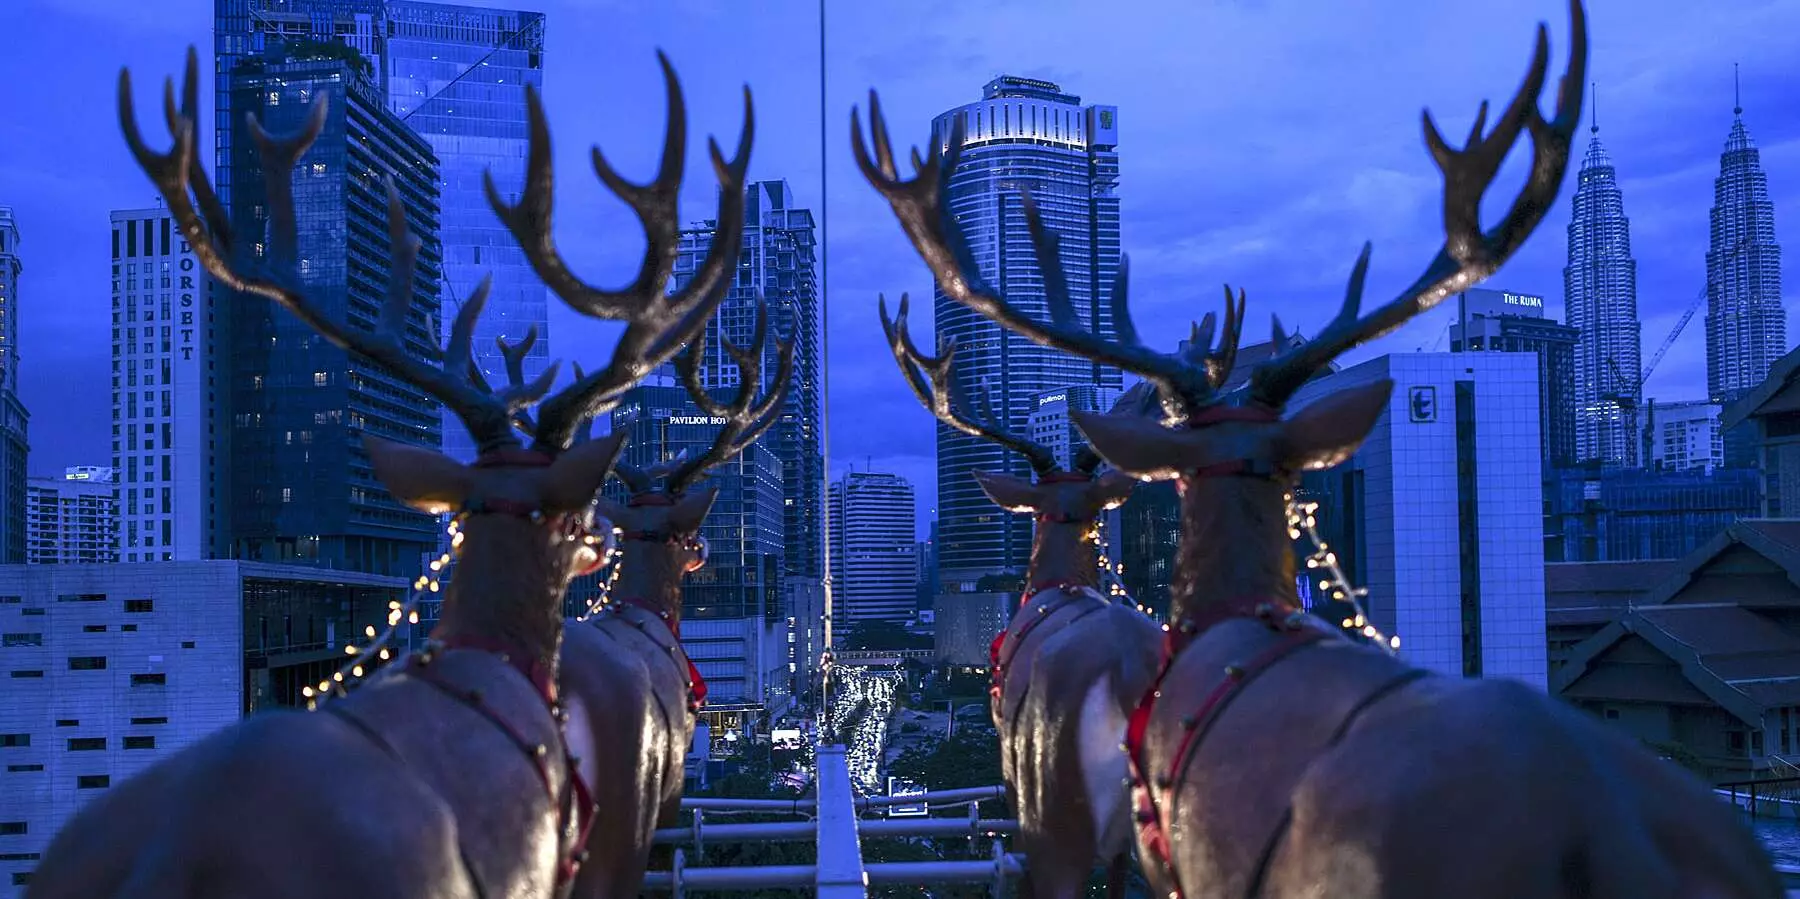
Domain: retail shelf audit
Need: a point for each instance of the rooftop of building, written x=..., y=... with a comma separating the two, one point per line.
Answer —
x=1776, y=395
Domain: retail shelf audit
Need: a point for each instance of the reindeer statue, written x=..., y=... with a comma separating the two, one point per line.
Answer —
x=1276, y=758
x=623, y=668
x=1071, y=665
x=447, y=774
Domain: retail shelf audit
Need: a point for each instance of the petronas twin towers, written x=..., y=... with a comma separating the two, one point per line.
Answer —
x=1746, y=325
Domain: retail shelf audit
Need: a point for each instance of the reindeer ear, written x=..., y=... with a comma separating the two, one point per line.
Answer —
x=580, y=472
x=1136, y=445
x=1007, y=492
x=610, y=511
x=690, y=510
x=1329, y=431
x=1113, y=489
x=422, y=478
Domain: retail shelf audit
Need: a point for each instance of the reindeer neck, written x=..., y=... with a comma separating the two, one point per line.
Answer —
x=650, y=575
x=1062, y=553
x=1234, y=545
x=507, y=588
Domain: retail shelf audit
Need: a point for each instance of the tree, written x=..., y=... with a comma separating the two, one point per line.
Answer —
x=879, y=635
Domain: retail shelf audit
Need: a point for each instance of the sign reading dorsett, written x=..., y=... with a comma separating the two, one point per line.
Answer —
x=900, y=786
x=188, y=287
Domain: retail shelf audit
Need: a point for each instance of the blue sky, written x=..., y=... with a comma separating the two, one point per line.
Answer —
x=1261, y=142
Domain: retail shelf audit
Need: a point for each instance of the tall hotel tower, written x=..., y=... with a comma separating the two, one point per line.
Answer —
x=1600, y=296
x=874, y=553
x=457, y=76
x=1022, y=134
x=13, y=419
x=1746, y=325
x=778, y=264
x=166, y=448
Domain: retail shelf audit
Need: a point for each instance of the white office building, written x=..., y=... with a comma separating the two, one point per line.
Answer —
x=873, y=565
x=108, y=668
x=165, y=441
x=72, y=520
x=1684, y=436
x=1440, y=512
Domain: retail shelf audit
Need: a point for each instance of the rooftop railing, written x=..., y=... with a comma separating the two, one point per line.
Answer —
x=840, y=871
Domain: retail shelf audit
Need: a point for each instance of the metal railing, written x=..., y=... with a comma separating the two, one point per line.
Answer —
x=840, y=871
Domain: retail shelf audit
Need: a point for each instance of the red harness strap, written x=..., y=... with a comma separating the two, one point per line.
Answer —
x=696, y=683
x=577, y=800
x=1279, y=615
x=1000, y=655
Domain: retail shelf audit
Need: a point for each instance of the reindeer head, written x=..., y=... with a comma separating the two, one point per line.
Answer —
x=1204, y=431
x=523, y=506
x=670, y=516
x=1075, y=495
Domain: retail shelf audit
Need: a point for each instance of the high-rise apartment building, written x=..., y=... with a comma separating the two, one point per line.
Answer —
x=732, y=620
x=14, y=444
x=874, y=549
x=1746, y=324
x=1504, y=321
x=1023, y=134
x=167, y=377
x=1600, y=297
x=72, y=520
x=1684, y=435
x=777, y=264
x=301, y=489
x=457, y=75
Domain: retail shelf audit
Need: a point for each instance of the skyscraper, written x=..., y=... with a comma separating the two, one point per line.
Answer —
x=873, y=556
x=1504, y=321
x=301, y=488
x=1746, y=325
x=1600, y=297
x=13, y=418
x=1023, y=134
x=167, y=448
x=778, y=264
x=456, y=75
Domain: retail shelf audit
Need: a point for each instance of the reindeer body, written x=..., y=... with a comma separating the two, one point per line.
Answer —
x=1274, y=757
x=449, y=774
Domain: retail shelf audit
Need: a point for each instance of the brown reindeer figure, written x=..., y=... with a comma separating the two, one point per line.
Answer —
x=1276, y=758
x=1070, y=667
x=446, y=775
x=623, y=668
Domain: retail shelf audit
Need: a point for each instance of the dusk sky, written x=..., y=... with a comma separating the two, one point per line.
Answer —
x=1261, y=142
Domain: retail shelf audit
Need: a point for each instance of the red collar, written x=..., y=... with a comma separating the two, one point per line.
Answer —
x=1065, y=586
x=509, y=652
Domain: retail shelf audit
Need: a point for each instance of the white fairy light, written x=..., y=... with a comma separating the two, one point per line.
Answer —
x=1301, y=521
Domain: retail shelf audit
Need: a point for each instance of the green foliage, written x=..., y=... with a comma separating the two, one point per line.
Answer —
x=753, y=779
x=880, y=635
x=307, y=48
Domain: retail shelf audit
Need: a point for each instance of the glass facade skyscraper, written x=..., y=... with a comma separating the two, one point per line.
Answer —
x=457, y=76
x=1746, y=324
x=778, y=263
x=1600, y=297
x=13, y=418
x=301, y=488
x=1023, y=134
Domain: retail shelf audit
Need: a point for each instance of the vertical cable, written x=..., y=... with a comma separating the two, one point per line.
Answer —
x=824, y=377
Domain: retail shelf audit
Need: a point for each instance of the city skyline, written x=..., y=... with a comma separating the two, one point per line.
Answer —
x=1664, y=76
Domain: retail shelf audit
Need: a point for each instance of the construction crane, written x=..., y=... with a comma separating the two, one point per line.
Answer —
x=1628, y=398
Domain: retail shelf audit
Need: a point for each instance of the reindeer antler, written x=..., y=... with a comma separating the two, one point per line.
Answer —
x=934, y=383
x=183, y=183
x=1469, y=255
x=1190, y=380
x=746, y=416
x=658, y=323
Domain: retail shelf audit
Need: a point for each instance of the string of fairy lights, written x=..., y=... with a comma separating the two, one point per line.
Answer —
x=1301, y=521
x=405, y=612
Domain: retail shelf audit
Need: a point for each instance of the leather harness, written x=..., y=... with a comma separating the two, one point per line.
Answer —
x=1279, y=614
